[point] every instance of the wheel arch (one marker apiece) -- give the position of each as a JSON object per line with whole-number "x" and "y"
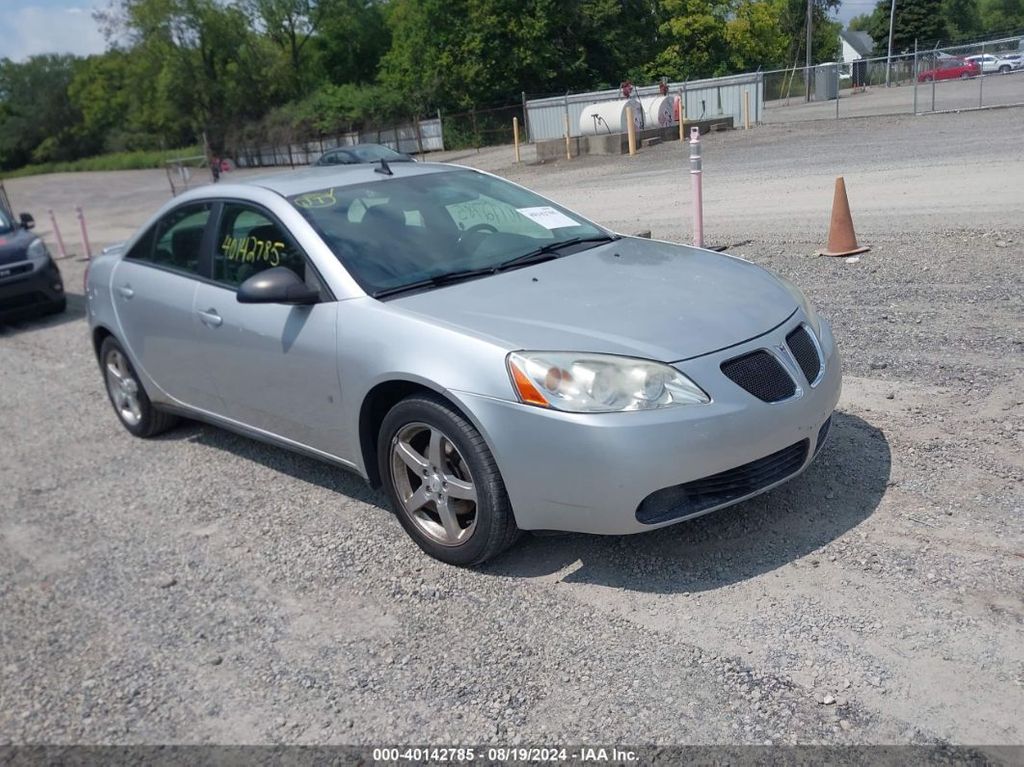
{"x": 100, "y": 333}
{"x": 378, "y": 402}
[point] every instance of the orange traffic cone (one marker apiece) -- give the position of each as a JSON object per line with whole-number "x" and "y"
{"x": 842, "y": 240}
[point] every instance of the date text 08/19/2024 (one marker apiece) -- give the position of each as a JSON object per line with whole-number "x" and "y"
{"x": 504, "y": 754}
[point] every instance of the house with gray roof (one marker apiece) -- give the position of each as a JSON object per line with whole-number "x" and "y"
{"x": 856, "y": 45}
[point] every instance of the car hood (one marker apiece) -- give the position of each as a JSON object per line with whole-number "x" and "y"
{"x": 14, "y": 244}
{"x": 633, "y": 296}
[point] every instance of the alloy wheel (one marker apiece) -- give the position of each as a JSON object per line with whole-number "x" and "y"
{"x": 123, "y": 388}
{"x": 433, "y": 483}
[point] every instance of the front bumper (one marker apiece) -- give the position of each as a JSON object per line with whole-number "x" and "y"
{"x": 591, "y": 472}
{"x": 30, "y": 286}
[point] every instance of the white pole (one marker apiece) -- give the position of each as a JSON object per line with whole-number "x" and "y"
{"x": 888, "y": 60}
{"x": 696, "y": 173}
{"x": 807, "y": 69}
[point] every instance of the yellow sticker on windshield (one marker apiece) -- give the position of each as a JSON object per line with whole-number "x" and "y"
{"x": 322, "y": 199}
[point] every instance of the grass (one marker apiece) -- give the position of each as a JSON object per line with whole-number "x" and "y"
{"x": 112, "y": 161}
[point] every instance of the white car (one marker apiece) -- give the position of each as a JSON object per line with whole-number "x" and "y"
{"x": 990, "y": 64}
{"x": 1016, "y": 60}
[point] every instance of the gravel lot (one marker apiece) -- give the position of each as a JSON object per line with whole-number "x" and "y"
{"x": 990, "y": 90}
{"x": 205, "y": 588}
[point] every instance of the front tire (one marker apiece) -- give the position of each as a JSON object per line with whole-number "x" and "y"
{"x": 129, "y": 398}
{"x": 443, "y": 483}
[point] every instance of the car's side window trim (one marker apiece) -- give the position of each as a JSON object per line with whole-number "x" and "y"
{"x": 221, "y": 203}
{"x": 209, "y": 237}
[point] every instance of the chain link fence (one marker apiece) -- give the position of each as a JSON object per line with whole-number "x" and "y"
{"x": 292, "y": 149}
{"x": 472, "y": 129}
{"x": 984, "y": 74}
{"x": 482, "y": 127}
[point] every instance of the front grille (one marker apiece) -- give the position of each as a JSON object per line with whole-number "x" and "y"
{"x": 11, "y": 271}
{"x": 760, "y": 374}
{"x": 718, "y": 489}
{"x": 805, "y": 352}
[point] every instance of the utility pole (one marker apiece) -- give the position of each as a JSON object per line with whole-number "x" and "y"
{"x": 807, "y": 71}
{"x": 888, "y": 60}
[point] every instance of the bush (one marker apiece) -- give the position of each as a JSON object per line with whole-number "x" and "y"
{"x": 113, "y": 161}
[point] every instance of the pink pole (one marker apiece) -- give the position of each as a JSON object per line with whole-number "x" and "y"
{"x": 56, "y": 233}
{"x": 85, "y": 237}
{"x": 696, "y": 174}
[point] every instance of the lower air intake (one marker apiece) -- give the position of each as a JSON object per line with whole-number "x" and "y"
{"x": 718, "y": 489}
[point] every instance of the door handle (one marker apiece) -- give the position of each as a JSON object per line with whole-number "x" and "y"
{"x": 126, "y": 291}
{"x": 211, "y": 318}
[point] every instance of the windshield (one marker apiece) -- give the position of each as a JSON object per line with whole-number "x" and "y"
{"x": 5, "y": 223}
{"x": 401, "y": 231}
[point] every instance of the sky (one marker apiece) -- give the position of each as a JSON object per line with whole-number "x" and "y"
{"x": 67, "y": 26}
{"x": 49, "y": 26}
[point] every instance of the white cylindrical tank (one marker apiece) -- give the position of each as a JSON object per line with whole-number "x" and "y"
{"x": 658, "y": 111}
{"x": 610, "y": 117}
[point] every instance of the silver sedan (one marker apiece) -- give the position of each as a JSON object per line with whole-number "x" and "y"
{"x": 495, "y": 361}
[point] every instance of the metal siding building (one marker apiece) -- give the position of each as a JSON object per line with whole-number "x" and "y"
{"x": 718, "y": 97}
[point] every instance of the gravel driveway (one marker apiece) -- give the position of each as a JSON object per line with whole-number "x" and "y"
{"x": 202, "y": 587}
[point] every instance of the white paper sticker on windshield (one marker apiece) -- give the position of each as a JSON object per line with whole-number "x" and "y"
{"x": 548, "y": 217}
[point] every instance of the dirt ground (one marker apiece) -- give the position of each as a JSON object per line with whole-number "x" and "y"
{"x": 205, "y": 588}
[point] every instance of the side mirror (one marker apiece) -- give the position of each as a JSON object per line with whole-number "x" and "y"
{"x": 279, "y": 285}
{"x": 27, "y": 222}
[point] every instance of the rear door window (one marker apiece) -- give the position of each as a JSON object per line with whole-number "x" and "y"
{"x": 175, "y": 241}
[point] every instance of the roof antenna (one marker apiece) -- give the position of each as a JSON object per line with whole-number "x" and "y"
{"x": 384, "y": 168}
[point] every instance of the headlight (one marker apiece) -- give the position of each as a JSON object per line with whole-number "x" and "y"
{"x": 37, "y": 250}
{"x": 599, "y": 383}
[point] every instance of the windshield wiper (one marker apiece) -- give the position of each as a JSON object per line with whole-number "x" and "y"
{"x": 436, "y": 281}
{"x": 543, "y": 253}
{"x": 549, "y": 251}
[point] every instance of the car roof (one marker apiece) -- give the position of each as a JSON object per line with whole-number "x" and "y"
{"x": 320, "y": 177}
{"x": 347, "y": 147}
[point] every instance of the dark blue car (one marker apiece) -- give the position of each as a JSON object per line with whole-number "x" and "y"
{"x": 30, "y": 281}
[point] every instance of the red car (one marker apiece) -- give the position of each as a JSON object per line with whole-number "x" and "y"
{"x": 950, "y": 69}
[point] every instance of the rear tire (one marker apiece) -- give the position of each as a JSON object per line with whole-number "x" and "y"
{"x": 443, "y": 483}
{"x": 131, "y": 403}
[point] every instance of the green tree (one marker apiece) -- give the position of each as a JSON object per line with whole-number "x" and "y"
{"x": 693, "y": 40}
{"x": 291, "y": 25}
{"x": 963, "y": 19}
{"x": 860, "y": 23}
{"x": 825, "y": 44}
{"x": 920, "y": 20}
{"x": 205, "y": 67}
{"x": 351, "y": 42}
{"x": 459, "y": 53}
{"x": 1002, "y": 16}
{"x": 618, "y": 37}
{"x": 38, "y": 122}
{"x": 754, "y": 36}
